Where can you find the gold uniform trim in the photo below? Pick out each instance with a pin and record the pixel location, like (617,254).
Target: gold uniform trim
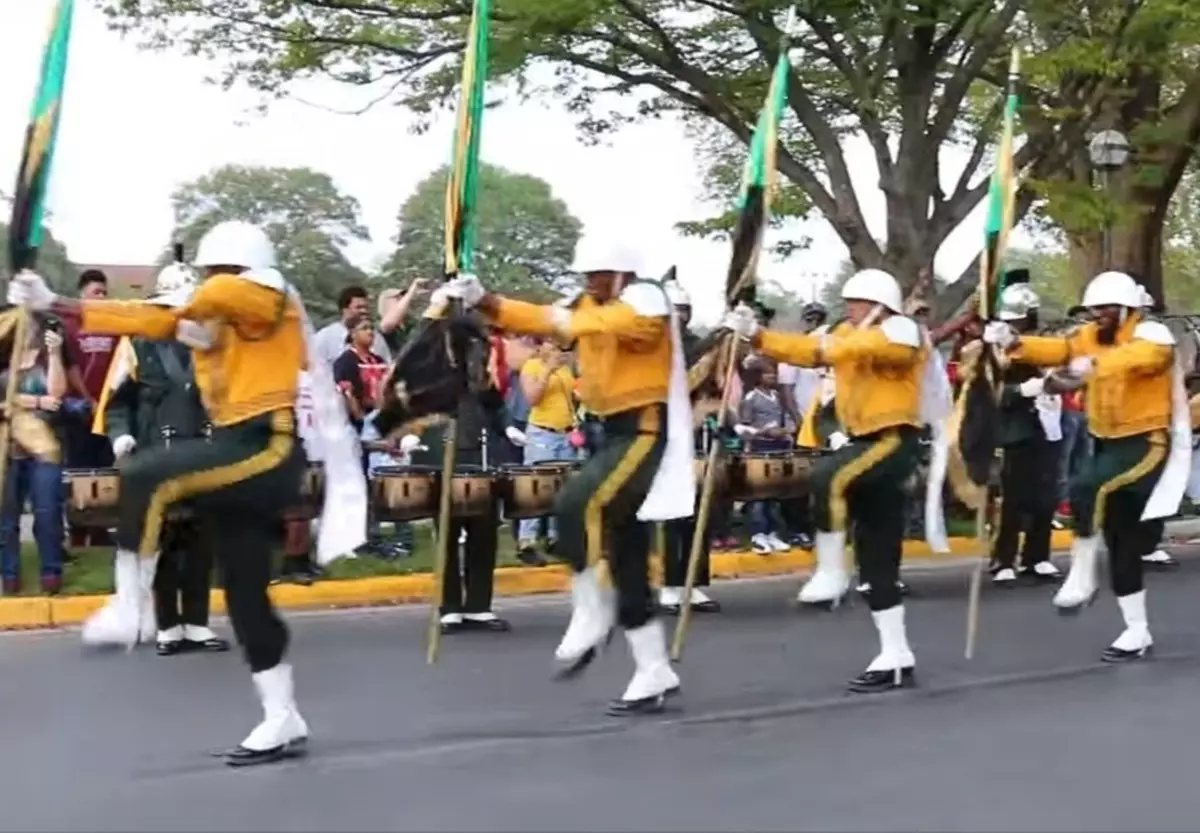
(175,489)
(593,513)
(856,468)
(1156,454)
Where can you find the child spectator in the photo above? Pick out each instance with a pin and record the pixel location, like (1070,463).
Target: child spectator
(765,425)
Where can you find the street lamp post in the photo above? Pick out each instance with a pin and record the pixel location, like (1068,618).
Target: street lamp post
(1109,151)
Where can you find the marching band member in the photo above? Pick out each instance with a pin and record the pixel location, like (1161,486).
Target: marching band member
(250,338)
(1137,413)
(149,399)
(1155,556)
(1031,429)
(878,360)
(632,377)
(677,533)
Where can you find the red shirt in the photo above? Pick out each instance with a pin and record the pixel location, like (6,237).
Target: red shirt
(92,354)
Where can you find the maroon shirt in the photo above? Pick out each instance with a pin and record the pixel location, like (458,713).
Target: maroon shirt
(92,354)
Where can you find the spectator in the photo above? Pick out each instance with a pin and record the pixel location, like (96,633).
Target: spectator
(548,385)
(34,469)
(88,357)
(331,339)
(394,308)
(765,424)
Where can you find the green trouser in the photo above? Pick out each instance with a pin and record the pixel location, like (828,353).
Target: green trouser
(241,480)
(605,494)
(1109,495)
(862,486)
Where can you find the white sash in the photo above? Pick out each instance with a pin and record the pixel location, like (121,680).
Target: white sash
(937,402)
(1168,492)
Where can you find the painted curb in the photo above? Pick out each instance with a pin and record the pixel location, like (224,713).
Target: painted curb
(34,612)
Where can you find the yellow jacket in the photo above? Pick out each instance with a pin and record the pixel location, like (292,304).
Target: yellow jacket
(623,347)
(257,350)
(1129,390)
(877,370)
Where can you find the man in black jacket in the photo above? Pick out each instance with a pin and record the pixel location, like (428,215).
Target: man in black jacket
(1031,437)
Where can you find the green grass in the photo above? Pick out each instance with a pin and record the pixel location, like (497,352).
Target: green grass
(91,571)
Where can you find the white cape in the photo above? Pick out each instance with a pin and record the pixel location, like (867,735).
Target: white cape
(343,523)
(673,492)
(1168,492)
(937,402)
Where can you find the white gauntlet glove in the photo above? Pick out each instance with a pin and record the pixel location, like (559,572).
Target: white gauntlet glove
(467,289)
(1000,334)
(193,334)
(1032,388)
(1082,365)
(742,321)
(28,289)
(409,443)
(837,439)
(123,445)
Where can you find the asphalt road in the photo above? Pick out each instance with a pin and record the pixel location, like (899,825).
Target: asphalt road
(1033,734)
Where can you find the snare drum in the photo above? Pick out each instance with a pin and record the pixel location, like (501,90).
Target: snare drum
(773,475)
(92,496)
(721,477)
(405,493)
(530,491)
(471,492)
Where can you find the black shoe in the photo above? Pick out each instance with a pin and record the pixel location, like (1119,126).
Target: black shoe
(216,645)
(170,649)
(871,682)
(706,606)
(452,627)
(671,609)
(241,756)
(647,705)
(530,557)
(802,540)
(496,625)
(1118,655)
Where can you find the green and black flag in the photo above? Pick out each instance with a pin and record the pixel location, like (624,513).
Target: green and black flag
(975,423)
(445,358)
(29,198)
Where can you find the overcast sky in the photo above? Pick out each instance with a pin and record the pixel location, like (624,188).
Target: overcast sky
(136,124)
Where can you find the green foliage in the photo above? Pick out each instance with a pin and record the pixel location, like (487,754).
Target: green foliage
(905,78)
(526,236)
(53,263)
(302,211)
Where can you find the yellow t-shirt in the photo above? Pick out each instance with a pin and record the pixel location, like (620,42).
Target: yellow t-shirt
(556,410)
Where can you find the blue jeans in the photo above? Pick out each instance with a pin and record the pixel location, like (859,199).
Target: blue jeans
(761,515)
(1076,447)
(542,445)
(40,483)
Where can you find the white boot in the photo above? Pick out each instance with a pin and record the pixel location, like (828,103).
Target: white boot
(118,622)
(592,618)
(830,582)
(169,636)
(147,618)
(893,667)
(653,677)
(282,732)
(1135,641)
(1159,557)
(669,597)
(1080,587)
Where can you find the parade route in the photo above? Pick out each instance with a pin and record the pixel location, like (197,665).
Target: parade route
(1033,734)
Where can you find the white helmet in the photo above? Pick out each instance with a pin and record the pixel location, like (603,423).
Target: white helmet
(174,285)
(1147,298)
(874,285)
(236,243)
(594,256)
(1017,301)
(1112,289)
(676,294)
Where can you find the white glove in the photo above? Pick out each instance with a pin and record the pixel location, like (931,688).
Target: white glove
(1082,365)
(837,439)
(1000,334)
(514,435)
(53,341)
(1032,388)
(123,445)
(28,289)
(742,321)
(193,334)
(409,443)
(467,289)
(560,317)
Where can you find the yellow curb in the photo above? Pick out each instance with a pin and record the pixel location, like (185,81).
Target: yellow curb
(39,612)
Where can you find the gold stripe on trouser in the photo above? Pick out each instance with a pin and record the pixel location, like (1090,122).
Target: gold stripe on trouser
(1156,454)
(614,481)
(175,489)
(856,468)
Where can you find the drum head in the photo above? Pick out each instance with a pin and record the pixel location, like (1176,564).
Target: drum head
(400,471)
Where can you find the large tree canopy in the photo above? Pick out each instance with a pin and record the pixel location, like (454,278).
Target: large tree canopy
(907,77)
(526,235)
(302,211)
(54,264)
